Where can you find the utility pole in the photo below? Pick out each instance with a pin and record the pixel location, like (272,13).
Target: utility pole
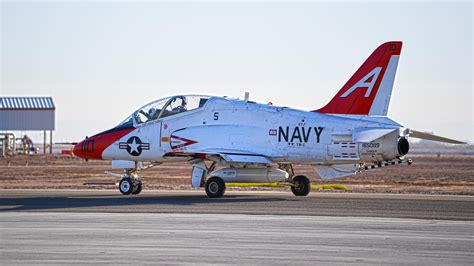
(44,142)
(50,142)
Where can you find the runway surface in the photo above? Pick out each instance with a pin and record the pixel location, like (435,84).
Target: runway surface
(92,238)
(249,202)
(185,227)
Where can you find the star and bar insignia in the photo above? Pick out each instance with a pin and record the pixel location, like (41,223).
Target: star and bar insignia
(134,146)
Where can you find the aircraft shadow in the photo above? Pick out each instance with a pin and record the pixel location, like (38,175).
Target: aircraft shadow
(77,202)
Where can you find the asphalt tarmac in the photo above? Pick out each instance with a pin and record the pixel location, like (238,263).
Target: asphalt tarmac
(447,207)
(185,227)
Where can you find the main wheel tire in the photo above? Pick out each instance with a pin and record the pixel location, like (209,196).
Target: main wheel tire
(137,188)
(302,185)
(215,187)
(126,186)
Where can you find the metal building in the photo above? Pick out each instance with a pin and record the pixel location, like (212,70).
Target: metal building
(28,114)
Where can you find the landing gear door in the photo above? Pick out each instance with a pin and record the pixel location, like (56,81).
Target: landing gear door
(198,174)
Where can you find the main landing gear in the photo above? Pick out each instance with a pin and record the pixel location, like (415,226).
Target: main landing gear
(300,184)
(215,185)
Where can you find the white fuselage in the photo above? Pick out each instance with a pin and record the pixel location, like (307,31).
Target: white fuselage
(282,134)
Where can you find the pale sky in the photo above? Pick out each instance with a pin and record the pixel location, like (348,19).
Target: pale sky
(102,61)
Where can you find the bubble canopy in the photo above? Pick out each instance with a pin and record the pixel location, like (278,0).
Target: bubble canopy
(165,107)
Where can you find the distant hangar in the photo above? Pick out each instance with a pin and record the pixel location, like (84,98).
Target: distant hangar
(28,114)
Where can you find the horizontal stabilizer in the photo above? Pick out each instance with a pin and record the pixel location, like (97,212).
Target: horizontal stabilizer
(327,172)
(422,135)
(368,135)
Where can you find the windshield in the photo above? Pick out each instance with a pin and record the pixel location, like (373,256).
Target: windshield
(127,122)
(150,112)
(168,107)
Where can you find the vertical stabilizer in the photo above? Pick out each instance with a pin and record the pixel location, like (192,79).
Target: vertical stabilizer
(369,90)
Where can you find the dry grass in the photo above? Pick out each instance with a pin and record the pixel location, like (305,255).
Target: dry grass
(428,174)
(275,184)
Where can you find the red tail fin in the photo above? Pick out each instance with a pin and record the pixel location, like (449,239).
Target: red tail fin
(369,90)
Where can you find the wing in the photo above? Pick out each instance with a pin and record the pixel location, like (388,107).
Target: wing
(230,156)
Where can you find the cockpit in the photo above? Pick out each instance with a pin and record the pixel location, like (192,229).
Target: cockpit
(165,107)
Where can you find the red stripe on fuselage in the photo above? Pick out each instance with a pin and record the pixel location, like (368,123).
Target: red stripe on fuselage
(93,147)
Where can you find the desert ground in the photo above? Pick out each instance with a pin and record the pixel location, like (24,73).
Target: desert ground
(433,174)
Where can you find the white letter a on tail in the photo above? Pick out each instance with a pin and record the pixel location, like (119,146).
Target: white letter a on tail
(368,81)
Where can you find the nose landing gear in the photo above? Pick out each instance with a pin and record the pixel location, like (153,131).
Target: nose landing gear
(130,182)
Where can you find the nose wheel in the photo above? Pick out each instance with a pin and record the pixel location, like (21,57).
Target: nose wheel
(129,186)
(126,186)
(137,187)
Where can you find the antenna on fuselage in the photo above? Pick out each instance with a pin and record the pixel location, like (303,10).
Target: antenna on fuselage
(247,96)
